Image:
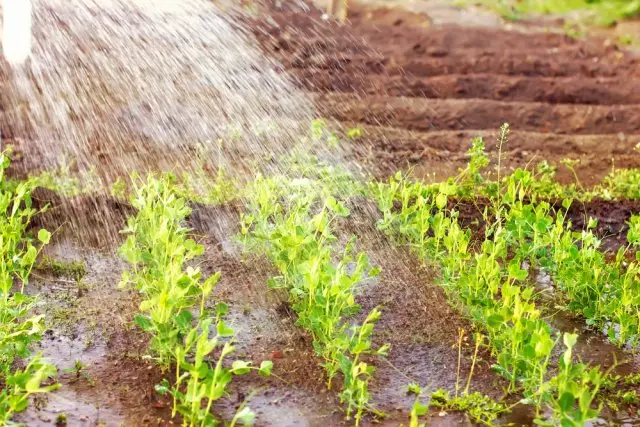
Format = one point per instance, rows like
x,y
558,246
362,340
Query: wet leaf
x,y
44,236
265,368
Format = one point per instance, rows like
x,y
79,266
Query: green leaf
x,y
441,200
44,236
265,368
240,367
223,330
495,320
184,319
566,401
227,349
383,350
374,271
221,309
210,283
163,388
419,409
570,340
246,416
143,322
414,388
515,272
336,206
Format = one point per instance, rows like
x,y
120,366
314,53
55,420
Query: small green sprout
x,y
61,419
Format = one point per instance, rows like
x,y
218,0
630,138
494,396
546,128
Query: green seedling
x,y
414,388
67,183
572,391
79,371
417,409
61,420
184,333
291,223
490,285
482,409
354,133
22,384
19,328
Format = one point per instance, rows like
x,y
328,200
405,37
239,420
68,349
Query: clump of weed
x,y
61,420
64,181
71,269
79,370
480,408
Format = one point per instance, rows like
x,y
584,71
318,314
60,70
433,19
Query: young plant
x,y
19,329
173,311
572,392
292,225
79,371
417,409
482,409
489,286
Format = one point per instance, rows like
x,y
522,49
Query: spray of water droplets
x,y
137,84
117,86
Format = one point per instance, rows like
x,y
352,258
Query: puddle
x,y
66,351
78,412
592,347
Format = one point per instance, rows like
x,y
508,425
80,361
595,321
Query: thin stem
x,y
460,337
479,339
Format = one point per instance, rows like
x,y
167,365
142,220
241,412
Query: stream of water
x,y
115,86
125,85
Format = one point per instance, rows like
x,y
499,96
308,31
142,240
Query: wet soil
x,y
612,219
91,322
90,338
421,87
419,324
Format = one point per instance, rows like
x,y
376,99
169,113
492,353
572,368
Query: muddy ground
x,y
420,88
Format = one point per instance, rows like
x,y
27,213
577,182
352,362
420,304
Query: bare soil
x,y
421,91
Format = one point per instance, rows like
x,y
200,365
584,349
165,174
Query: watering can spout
x,y
16,30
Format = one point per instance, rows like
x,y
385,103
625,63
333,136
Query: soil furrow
x,y
553,144
484,86
452,114
524,64
438,52
484,62
407,25
387,150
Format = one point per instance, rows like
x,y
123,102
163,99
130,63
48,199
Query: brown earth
x,y
91,321
421,91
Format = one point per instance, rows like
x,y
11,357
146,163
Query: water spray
x,y
16,30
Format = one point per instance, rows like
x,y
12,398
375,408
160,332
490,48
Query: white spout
x,y
16,30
